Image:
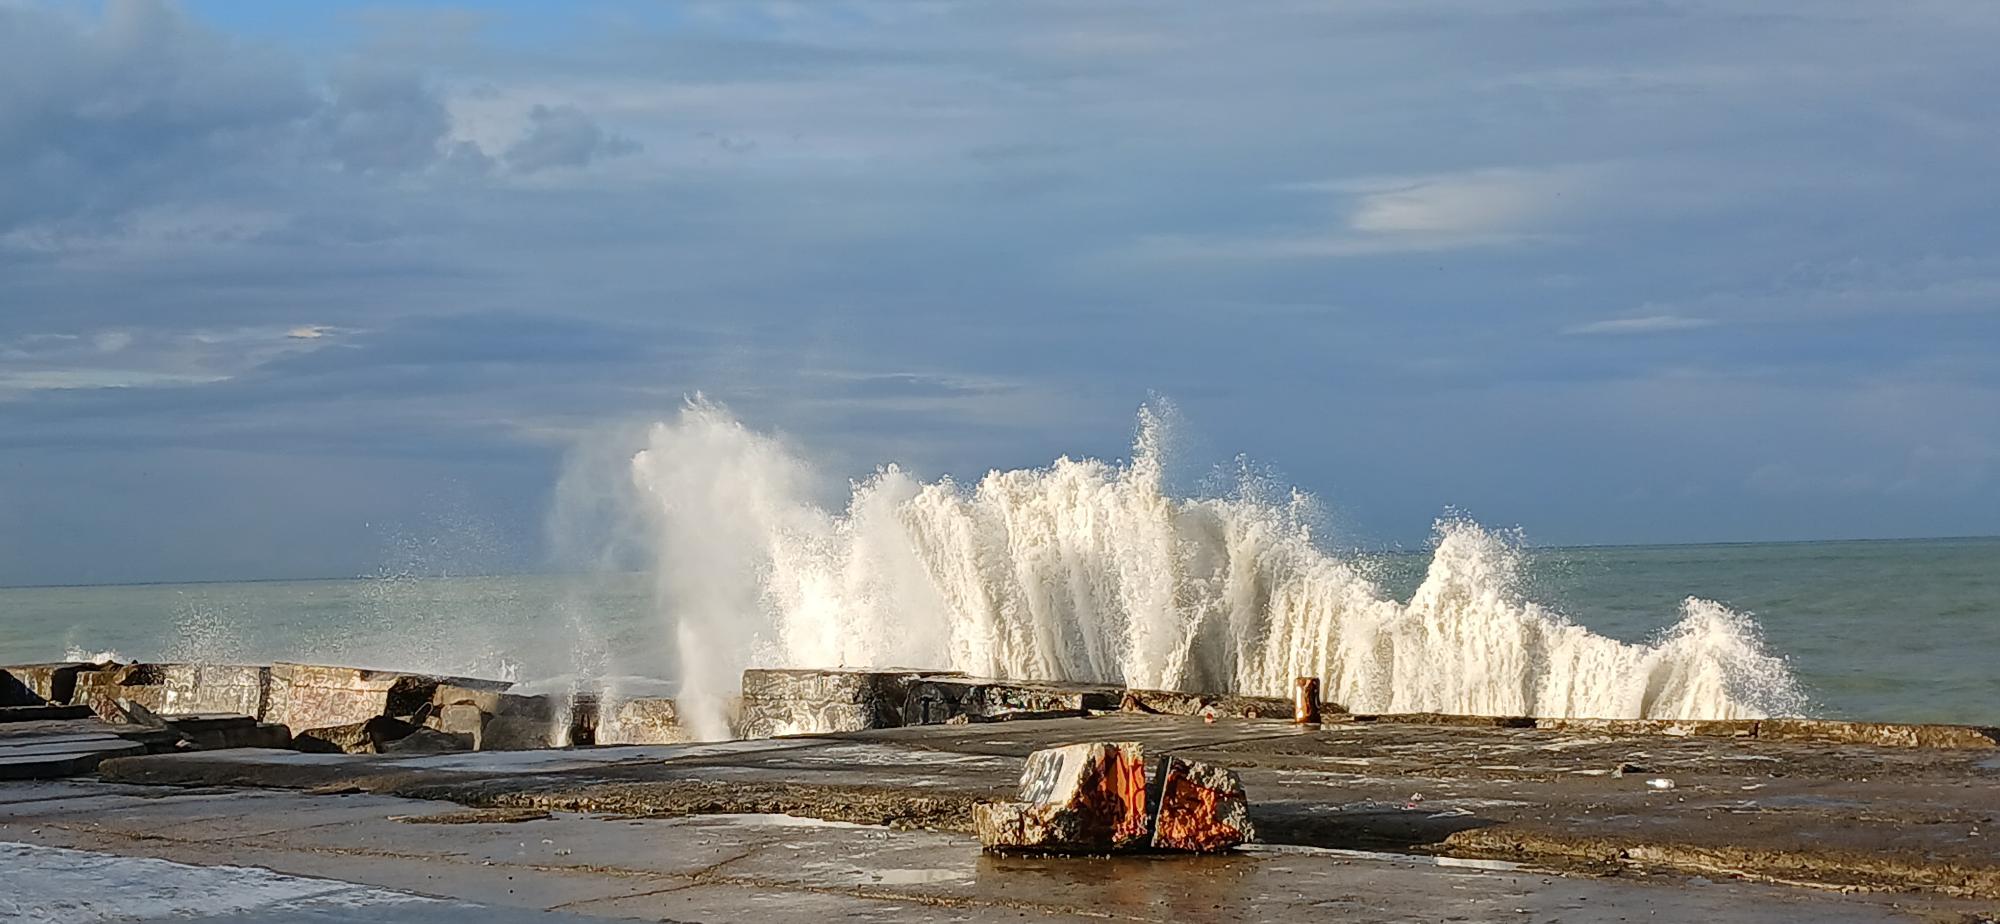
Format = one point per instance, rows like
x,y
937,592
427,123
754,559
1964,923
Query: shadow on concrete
x,y
1363,826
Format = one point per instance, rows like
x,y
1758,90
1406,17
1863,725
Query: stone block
x,y
492,720
428,741
518,733
368,736
496,701
1083,798
36,684
641,720
320,696
173,689
69,756
217,731
1199,807
1220,705
458,719
796,702
1879,734
936,699
43,713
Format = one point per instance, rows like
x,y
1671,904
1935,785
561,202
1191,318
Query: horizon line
x,y
325,579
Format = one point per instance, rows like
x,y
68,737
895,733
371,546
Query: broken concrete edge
x,y
51,683
1811,731
43,713
1819,868
1198,807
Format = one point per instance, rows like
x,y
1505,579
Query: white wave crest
x,y
1088,570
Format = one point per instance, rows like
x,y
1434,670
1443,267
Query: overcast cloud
x,y
275,278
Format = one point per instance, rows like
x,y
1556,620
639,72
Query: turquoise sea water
x,y
1889,630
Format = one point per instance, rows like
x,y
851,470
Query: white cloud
x,y
1649,324
141,358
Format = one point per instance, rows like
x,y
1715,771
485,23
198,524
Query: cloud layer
x,y
1612,272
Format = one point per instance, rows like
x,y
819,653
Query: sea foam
x,y
1091,570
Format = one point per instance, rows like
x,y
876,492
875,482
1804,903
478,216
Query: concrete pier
x,y
1387,818
362,857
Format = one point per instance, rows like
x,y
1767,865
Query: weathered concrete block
x,y
1199,807
318,696
494,700
216,731
173,689
1879,734
67,756
936,699
1221,705
428,741
43,713
518,733
1083,798
368,736
458,719
36,684
492,720
642,720
793,702
1679,728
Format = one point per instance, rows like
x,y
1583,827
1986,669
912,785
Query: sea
x,y
1905,630
715,547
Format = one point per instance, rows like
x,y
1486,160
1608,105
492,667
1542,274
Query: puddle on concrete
x,y
1500,866
904,877
779,821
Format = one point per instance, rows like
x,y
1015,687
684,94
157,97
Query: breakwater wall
x,y
332,707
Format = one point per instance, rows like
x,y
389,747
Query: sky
x,y
287,287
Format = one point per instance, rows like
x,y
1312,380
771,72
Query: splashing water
x,y
1088,570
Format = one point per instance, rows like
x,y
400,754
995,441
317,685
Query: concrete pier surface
x,y
95,851
1358,821
349,794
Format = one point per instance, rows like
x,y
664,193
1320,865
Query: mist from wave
x,y
1093,571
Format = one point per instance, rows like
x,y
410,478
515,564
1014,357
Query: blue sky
x,y
282,285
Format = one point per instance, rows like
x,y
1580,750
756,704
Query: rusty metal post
x,y
583,719
1305,701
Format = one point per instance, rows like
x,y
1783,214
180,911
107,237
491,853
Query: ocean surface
x,y
1883,630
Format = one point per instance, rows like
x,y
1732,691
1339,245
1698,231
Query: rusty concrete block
x,y
1199,807
1083,798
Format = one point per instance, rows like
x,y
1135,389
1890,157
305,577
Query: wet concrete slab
x,y
383,855
1838,815
81,887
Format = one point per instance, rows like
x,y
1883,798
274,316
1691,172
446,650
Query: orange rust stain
x,y
1113,795
1187,817
1126,776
